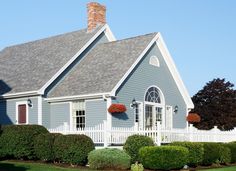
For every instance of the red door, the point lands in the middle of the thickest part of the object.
(22, 114)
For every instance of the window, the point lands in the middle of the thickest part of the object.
(153, 95)
(79, 114)
(154, 61)
(154, 105)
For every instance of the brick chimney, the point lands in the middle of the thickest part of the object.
(96, 15)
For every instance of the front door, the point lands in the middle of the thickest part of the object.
(22, 114)
(153, 113)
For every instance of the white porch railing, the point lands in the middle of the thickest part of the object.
(100, 134)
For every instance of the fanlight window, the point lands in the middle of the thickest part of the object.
(153, 95)
(154, 61)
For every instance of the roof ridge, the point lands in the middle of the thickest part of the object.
(134, 37)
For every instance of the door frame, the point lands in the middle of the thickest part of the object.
(17, 112)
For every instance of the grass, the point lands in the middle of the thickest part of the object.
(233, 168)
(29, 166)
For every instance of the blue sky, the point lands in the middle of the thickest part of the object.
(200, 34)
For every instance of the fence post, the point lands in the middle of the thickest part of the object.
(190, 131)
(215, 129)
(158, 133)
(105, 133)
(65, 128)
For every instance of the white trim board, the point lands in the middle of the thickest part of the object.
(170, 64)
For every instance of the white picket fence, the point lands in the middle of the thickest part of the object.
(105, 136)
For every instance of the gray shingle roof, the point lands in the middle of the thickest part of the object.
(103, 67)
(28, 66)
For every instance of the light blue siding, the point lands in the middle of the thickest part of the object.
(144, 76)
(8, 110)
(59, 113)
(95, 112)
(45, 113)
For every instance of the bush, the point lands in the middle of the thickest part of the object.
(17, 141)
(73, 149)
(43, 146)
(137, 167)
(134, 143)
(215, 153)
(164, 157)
(108, 158)
(195, 149)
(232, 147)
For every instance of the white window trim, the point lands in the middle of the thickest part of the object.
(27, 112)
(155, 63)
(161, 105)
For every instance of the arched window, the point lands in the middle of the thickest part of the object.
(154, 61)
(153, 95)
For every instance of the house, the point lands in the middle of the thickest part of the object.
(75, 77)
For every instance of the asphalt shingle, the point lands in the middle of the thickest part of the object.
(102, 68)
(28, 66)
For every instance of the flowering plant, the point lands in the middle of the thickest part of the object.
(193, 118)
(117, 108)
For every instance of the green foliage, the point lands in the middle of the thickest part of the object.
(164, 157)
(108, 158)
(232, 147)
(137, 167)
(73, 149)
(17, 141)
(196, 151)
(43, 146)
(215, 153)
(134, 143)
(216, 105)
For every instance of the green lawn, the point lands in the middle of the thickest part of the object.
(21, 166)
(233, 168)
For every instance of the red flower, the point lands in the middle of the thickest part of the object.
(193, 118)
(117, 108)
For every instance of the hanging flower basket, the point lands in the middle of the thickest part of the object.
(193, 118)
(117, 108)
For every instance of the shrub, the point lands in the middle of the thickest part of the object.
(225, 154)
(232, 147)
(17, 141)
(215, 153)
(73, 149)
(137, 167)
(43, 146)
(195, 149)
(108, 158)
(134, 143)
(164, 157)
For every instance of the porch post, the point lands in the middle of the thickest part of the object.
(109, 117)
(105, 133)
(158, 133)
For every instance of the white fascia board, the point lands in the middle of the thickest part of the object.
(110, 36)
(103, 29)
(84, 97)
(173, 69)
(113, 92)
(21, 94)
(170, 63)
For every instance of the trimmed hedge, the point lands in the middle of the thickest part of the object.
(134, 143)
(43, 146)
(109, 158)
(17, 141)
(164, 157)
(232, 147)
(196, 152)
(215, 153)
(73, 149)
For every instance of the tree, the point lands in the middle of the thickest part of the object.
(216, 105)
